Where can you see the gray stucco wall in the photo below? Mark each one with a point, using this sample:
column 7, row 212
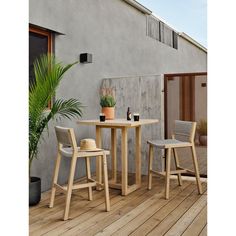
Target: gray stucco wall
column 115, row 33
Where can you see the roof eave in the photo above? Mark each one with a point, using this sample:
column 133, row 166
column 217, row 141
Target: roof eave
column 191, row 40
column 139, row 6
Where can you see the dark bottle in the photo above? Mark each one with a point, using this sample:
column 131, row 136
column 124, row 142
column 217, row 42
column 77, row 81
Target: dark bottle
column 128, row 114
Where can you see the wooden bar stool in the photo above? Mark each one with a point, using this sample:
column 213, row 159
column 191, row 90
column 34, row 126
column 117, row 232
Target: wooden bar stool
column 184, row 132
column 67, row 147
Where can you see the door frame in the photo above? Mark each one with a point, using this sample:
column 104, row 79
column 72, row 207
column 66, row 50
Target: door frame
column 50, row 37
column 166, row 77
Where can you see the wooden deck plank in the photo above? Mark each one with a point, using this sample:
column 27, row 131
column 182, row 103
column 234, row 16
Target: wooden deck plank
column 142, row 212
column 195, row 228
column 45, row 211
column 79, row 213
column 181, row 225
column 117, row 210
column 46, row 196
column 52, row 218
column 131, row 222
column 204, row 231
column 163, row 219
column 155, row 202
column 79, row 198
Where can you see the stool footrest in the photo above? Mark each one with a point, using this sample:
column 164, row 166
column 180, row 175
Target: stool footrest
column 60, row 187
column 157, row 172
column 86, row 185
column 163, row 173
column 91, row 180
column 99, row 185
column 78, row 186
column 187, row 170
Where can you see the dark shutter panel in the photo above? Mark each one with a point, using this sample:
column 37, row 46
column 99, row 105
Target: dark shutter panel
column 175, row 40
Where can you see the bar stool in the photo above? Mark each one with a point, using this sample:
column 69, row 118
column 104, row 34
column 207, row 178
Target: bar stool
column 184, row 132
column 67, row 147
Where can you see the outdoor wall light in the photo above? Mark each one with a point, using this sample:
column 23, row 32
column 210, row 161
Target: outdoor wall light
column 85, row 58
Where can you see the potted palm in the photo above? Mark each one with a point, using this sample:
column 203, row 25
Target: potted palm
column 48, row 74
column 108, row 102
column 202, row 131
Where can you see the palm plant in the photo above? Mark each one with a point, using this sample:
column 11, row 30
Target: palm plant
column 48, row 74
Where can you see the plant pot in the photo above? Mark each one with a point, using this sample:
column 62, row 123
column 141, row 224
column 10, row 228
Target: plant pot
column 203, row 140
column 109, row 112
column 34, row 191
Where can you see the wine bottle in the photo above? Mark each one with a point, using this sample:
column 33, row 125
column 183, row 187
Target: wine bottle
column 128, row 114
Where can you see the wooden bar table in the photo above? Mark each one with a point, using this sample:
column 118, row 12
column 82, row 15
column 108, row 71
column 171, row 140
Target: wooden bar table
column 124, row 125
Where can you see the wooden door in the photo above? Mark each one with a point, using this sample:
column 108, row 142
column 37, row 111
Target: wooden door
column 187, row 98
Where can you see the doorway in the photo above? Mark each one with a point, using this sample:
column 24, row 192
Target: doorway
column 186, row 99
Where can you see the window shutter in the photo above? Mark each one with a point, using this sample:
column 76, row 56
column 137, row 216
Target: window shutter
column 175, row 40
column 153, row 28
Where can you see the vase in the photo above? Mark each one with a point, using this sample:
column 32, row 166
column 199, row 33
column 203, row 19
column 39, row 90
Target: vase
column 109, row 112
column 34, row 191
column 203, row 140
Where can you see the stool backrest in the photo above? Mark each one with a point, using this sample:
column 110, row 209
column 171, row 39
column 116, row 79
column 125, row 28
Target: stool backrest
column 185, row 130
column 66, row 137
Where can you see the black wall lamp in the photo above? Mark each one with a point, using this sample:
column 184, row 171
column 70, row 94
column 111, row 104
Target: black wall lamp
column 85, row 58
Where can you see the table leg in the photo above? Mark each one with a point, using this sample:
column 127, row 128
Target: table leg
column 124, row 161
column 138, row 156
column 98, row 159
column 113, row 154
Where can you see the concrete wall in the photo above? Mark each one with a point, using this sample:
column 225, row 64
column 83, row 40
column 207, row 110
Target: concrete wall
column 115, row 33
column 143, row 95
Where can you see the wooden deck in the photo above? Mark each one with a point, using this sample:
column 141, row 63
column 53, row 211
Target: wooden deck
column 142, row 212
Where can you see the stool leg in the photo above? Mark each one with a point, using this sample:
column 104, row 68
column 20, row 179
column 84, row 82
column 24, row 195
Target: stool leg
column 195, row 164
column 99, row 158
column 176, row 158
column 106, row 186
column 150, row 166
column 168, row 159
column 69, row 187
column 88, row 170
column 55, row 178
